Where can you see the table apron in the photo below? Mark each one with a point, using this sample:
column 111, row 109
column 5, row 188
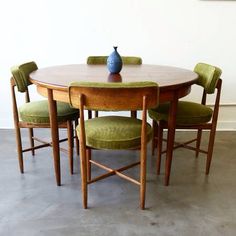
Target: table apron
column 166, row 95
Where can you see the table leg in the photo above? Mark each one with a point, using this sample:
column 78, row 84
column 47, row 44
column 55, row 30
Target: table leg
column 55, row 136
column 170, row 137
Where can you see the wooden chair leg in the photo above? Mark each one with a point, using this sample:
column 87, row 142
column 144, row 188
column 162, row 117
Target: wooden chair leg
column 83, row 170
column 89, row 114
column 19, row 150
column 143, row 160
column 88, row 155
column 155, row 136
column 133, row 114
column 210, row 149
column 31, row 135
column 159, row 147
column 70, row 145
column 76, row 138
column 198, row 143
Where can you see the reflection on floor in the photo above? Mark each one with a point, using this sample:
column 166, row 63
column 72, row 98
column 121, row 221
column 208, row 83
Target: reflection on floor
column 193, row 204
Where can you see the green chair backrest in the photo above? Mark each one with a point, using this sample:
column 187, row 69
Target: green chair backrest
column 102, row 60
column 208, row 76
column 21, row 75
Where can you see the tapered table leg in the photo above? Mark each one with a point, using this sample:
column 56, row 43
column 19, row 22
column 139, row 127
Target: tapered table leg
column 170, row 137
column 55, row 136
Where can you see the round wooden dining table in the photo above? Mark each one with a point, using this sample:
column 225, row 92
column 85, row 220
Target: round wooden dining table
column 52, row 82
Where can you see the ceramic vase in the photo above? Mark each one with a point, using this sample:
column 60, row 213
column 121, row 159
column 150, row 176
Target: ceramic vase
column 114, row 62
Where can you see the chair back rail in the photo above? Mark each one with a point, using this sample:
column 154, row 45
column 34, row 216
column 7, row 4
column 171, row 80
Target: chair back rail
column 217, row 103
column 14, row 102
column 217, row 99
column 114, row 99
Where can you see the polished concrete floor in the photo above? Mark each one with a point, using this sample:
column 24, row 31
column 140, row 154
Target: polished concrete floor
column 193, row 204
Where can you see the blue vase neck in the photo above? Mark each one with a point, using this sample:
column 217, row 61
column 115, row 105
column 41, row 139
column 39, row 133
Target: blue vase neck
column 115, row 48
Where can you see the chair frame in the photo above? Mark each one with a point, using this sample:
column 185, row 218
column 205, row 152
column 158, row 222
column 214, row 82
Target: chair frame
column 20, row 124
column 200, row 127
column 111, row 99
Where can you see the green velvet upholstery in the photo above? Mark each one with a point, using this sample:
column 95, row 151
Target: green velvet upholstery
column 188, row 113
column 132, row 60
column 114, row 132
column 97, row 60
column 208, row 76
column 37, row 112
column 141, row 84
column 102, row 60
column 21, row 75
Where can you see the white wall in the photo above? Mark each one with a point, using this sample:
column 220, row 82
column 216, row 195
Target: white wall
column 179, row 33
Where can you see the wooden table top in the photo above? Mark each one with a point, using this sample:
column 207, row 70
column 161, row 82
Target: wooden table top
column 60, row 76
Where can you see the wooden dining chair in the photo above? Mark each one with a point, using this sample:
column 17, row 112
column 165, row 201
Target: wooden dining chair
column 113, row 132
column 102, row 60
column 35, row 114
column 191, row 115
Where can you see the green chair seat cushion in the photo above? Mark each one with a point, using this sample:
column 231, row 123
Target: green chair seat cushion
column 188, row 113
column 114, row 132
column 38, row 112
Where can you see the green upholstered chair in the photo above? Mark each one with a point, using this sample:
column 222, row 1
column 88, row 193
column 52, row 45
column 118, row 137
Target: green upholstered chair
column 113, row 132
column 191, row 115
column 102, row 60
column 35, row 114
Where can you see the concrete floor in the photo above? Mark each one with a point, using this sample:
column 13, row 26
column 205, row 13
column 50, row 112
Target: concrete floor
column 193, row 204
